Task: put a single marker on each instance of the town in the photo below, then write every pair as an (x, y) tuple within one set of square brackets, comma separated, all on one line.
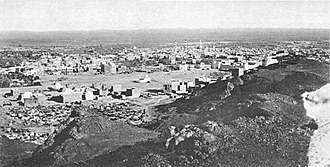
[(170, 83), (42, 85)]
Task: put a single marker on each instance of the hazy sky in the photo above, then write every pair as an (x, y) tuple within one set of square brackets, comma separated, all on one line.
[(45, 15)]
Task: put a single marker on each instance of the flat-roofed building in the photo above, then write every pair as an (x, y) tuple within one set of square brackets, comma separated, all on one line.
[(237, 72), (68, 97), (178, 87), (88, 95), (132, 93)]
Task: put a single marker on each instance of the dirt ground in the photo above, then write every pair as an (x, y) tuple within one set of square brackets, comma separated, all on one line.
[(129, 80)]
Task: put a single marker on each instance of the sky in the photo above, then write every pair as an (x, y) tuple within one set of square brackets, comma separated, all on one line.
[(53, 15)]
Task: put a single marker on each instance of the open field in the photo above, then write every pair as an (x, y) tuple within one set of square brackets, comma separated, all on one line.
[(129, 80), (126, 80)]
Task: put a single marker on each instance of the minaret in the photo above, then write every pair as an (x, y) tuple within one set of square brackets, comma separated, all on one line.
[(200, 44)]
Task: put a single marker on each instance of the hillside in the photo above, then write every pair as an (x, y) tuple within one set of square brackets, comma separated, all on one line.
[(14, 150), (257, 93), (255, 120), (84, 136)]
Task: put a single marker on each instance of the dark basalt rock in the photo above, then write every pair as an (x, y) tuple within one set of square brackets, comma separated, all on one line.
[(258, 119), (85, 138)]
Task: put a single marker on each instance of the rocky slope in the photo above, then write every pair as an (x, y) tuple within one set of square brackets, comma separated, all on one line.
[(255, 120), (14, 150), (270, 91), (85, 135)]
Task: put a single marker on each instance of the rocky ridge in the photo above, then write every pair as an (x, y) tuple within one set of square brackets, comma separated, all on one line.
[(255, 120)]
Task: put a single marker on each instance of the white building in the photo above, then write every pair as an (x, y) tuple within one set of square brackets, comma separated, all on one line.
[(145, 79)]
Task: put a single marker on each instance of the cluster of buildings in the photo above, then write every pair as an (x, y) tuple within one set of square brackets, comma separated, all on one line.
[(184, 56), (188, 56), (229, 67), (178, 87), (19, 79), (28, 99), (70, 93)]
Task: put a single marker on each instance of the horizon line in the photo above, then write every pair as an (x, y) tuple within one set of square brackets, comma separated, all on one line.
[(143, 29)]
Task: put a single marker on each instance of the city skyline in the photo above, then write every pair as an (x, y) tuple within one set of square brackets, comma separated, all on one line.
[(46, 15)]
